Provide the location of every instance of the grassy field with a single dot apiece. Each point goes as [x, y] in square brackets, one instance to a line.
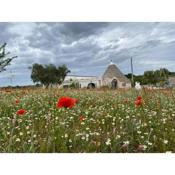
[102, 121]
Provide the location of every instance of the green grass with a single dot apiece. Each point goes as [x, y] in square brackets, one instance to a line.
[112, 121]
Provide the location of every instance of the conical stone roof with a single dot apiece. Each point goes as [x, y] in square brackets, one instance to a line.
[113, 71]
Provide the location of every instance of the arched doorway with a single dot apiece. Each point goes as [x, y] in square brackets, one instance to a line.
[114, 84]
[91, 86]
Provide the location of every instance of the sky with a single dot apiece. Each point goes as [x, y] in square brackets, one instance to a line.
[87, 48]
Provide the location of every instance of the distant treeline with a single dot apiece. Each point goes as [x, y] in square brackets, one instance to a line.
[19, 87]
[157, 77]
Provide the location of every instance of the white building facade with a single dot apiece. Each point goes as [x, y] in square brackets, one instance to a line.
[83, 81]
[112, 77]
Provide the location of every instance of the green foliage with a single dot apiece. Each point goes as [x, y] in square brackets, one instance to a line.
[157, 77]
[4, 61]
[74, 84]
[48, 74]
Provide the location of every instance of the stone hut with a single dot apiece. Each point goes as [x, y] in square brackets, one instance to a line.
[115, 78]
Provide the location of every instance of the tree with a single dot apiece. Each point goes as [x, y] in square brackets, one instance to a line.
[48, 74]
[149, 77]
[62, 72]
[157, 77]
[4, 61]
[74, 84]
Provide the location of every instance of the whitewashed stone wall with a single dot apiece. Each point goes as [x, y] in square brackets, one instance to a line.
[85, 80]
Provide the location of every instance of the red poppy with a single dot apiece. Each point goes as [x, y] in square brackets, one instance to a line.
[82, 118]
[21, 112]
[139, 98]
[138, 102]
[17, 101]
[66, 102]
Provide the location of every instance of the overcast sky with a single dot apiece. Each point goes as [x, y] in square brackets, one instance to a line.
[87, 48]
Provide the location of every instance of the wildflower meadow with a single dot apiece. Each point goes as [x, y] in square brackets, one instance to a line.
[87, 121]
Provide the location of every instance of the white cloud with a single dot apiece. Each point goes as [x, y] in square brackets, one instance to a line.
[87, 48]
[22, 29]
